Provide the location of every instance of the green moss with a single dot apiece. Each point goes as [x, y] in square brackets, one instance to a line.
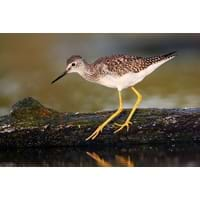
[30, 112]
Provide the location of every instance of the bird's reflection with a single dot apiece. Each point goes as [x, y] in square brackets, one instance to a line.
[122, 160]
[137, 155]
[119, 160]
[100, 161]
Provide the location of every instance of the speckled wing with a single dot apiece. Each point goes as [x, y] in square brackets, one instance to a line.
[119, 64]
[122, 64]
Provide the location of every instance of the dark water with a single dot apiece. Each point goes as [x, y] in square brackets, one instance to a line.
[135, 156]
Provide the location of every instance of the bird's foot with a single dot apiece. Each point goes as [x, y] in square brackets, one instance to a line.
[95, 133]
[121, 126]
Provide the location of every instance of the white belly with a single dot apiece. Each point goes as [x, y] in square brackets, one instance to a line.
[120, 83]
[129, 79]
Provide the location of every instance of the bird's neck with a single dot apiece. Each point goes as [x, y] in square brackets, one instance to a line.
[85, 69]
[88, 73]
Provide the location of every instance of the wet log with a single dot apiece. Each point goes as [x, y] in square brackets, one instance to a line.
[30, 124]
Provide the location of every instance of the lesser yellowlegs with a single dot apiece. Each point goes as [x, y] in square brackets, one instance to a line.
[117, 71]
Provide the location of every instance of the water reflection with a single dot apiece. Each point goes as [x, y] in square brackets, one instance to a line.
[134, 156]
[119, 160]
[100, 161]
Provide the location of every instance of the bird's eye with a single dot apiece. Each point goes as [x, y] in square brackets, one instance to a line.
[73, 64]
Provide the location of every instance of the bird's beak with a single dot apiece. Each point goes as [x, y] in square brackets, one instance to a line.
[59, 77]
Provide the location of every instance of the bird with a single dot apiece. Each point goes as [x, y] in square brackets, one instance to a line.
[118, 72]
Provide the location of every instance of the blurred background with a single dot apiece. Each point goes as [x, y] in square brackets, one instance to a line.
[29, 62]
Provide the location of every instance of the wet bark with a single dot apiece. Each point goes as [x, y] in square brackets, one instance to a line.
[30, 124]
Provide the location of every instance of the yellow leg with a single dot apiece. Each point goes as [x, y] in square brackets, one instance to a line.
[100, 128]
[128, 122]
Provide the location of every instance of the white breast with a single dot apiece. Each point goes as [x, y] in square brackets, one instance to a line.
[129, 79]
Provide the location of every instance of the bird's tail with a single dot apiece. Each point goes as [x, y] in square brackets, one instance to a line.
[156, 59]
[169, 55]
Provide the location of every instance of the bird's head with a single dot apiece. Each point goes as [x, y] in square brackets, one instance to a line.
[73, 64]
